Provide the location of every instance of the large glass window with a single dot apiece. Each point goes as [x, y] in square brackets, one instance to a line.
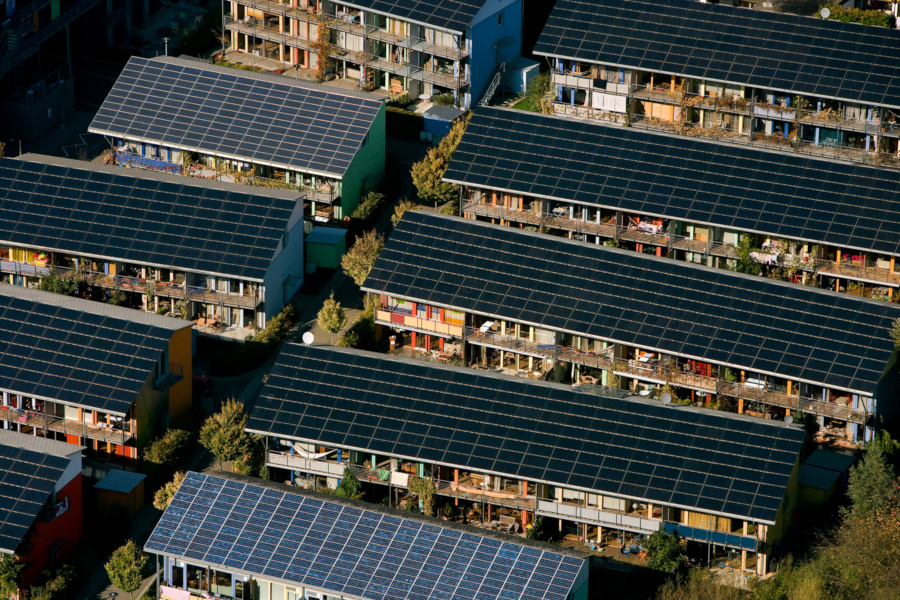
[221, 583]
[242, 589]
[197, 578]
[178, 577]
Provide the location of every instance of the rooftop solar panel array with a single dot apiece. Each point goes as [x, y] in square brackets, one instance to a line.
[753, 323]
[27, 478]
[545, 432]
[78, 351]
[343, 549]
[680, 178]
[763, 49]
[455, 15]
[230, 113]
[134, 216]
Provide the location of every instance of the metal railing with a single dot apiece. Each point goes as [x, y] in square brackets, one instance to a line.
[401, 318]
[115, 434]
[771, 397]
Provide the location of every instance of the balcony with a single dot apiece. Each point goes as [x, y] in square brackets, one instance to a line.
[841, 411]
[720, 538]
[112, 434]
[878, 271]
[597, 516]
[501, 341]
[167, 380]
[676, 374]
[402, 320]
[129, 159]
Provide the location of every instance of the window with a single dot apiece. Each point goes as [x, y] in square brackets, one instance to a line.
[614, 504]
[500, 19]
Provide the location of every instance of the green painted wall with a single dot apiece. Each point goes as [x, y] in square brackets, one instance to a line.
[367, 167]
[327, 256]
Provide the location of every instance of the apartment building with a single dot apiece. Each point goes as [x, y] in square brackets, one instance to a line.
[425, 48]
[782, 81]
[812, 222]
[245, 538]
[182, 116]
[225, 255]
[91, 374]
[41, 487]
[550, 308]
[605, 467]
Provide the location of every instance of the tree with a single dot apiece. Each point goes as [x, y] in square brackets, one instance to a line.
[332, 317]
[223, 433]
[163, 496]
[126, 568]
[895, 333]
[666, 552]
[58, 284]
[872, 487]
[428, 172]
[401, 209]
[358, 261]
[349, 487]
[10, 575]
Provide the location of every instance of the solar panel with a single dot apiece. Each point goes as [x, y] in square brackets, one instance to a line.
[344, 549]
[681, 178]
[455, 15]
[27, 478]
[290, 124]
[778, 51]
[137, 216]
[655, 303]
[78, 351]
[678, 447]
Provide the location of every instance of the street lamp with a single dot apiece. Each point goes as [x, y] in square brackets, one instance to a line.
[297, 69]
[166, 42]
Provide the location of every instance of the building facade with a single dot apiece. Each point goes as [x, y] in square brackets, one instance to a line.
[224, 255]
[100, 376]
[799, 219]
[248, 538]
[179, 116]
[739, 76]
[423, 49]
[608, 469]
[549, 308]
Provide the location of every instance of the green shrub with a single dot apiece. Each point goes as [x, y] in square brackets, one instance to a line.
[235, 359]
[876, 18]
[444, 99]
[367, 208]
[361, 334]
[167, 449]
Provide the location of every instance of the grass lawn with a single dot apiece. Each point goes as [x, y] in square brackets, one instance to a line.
[527, 103]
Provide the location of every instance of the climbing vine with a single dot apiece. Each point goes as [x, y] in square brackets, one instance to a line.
[323, 47]
[423, 487]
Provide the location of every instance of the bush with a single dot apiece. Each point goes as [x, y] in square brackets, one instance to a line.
[167, 449]
[666, 553]
[404, 123]
[361, 334]
[876, 18]
[444, 99]
[367, 209]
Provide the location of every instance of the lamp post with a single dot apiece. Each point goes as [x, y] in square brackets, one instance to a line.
[297, 70]
[166, 42]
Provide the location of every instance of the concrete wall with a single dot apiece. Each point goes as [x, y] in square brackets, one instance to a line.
[484, 33]
[285, 274]
[367, 168]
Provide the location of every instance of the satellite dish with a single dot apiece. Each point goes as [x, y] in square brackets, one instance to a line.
[308, 338]
[825, 12]
[666, 398]
[788, 419]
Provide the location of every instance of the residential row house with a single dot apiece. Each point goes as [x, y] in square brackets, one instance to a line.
[241, 537]
[42, 487]
[423, 49]
[187, 116]
[605, 468]
[542, 307]
[224, 255]
[104, 377]
[800, 219]
[791, 83]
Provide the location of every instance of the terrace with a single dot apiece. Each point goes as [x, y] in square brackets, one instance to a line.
[107, 433]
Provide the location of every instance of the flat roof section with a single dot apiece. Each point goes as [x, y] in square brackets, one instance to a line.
[453, 15]
[38, 444]
[533, 430]
[78, 352]
[777, 51]
[120, 481]
[27, 478]
[723, 185]
[751, 323]
[131, 215]
[345, 548]
[233, 114]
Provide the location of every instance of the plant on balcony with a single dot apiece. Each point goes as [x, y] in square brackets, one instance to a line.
[744, 262]
[448, 511]
[126, 568]
[332, 317]
[613, 243]
[57, 283]
[361, 257]
[323, 47]
[163, 496]
[730, 375]
[423, 487]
